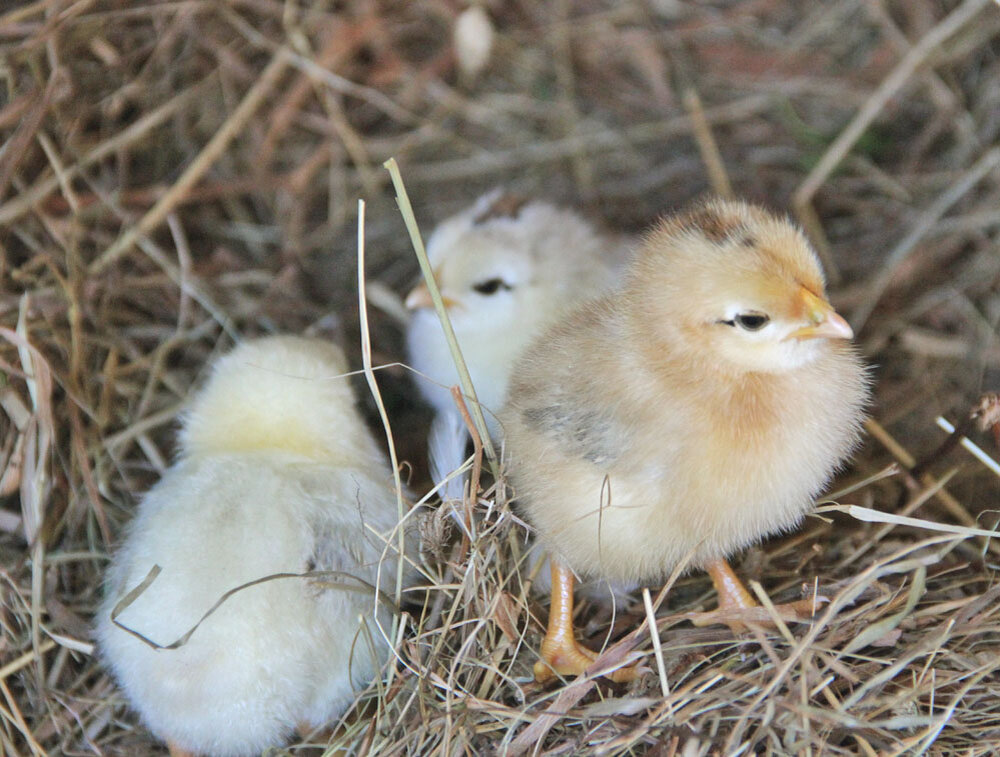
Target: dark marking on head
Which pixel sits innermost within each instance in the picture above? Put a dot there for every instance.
(710, 224)
(507, 205)
(718, 227)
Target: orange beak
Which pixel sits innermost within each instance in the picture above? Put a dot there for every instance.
(420, 297)
(825, 322)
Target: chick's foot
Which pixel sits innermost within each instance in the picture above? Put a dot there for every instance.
(567, 657)
(564, 656)
(737, 607)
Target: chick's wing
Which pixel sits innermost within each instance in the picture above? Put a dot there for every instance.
(578, 431)
(569, 396)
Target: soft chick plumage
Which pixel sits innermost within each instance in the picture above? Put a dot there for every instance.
(506, 268)
(277, 473)
(695, 411)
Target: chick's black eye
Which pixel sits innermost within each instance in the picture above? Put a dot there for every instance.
(751, 321)
(491, 286)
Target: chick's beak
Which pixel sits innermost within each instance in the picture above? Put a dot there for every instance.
(824, 321)
(420, 297)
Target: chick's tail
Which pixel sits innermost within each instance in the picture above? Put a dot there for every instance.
(446, 445)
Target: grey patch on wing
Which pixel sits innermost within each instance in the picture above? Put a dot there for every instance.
(583, 433)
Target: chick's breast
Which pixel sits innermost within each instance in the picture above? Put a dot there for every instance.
(624, 471)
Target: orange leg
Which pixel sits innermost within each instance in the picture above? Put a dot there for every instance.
(734, 600)
(561, 653)
(176, 751)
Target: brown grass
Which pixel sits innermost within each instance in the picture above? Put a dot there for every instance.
(177, 174)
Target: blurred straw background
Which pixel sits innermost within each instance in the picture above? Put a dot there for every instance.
(177, 174)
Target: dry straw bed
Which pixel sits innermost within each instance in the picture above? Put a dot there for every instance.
(176, 174)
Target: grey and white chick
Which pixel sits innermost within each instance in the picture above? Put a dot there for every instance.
(507, 268)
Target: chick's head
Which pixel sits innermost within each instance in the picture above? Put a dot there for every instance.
(278, 394)
(506, 260)
(738, 287)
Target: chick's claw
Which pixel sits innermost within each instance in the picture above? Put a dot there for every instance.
(562, 656)
(566, 657)
(737, 619)
(737, 607)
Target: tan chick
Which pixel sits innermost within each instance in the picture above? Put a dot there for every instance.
(695, 411)
(277, 473)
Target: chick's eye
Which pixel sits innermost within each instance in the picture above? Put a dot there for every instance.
(751, 321)
(491, 286)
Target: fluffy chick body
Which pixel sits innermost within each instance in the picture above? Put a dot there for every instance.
(277, 473)
(644, 427)
(507, 268)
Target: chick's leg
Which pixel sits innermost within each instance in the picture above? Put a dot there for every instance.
(176, 751)
(733, 595)
(561, 653)
(734, 599)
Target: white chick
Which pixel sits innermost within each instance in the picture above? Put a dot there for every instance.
(507, 268)
(277, 474)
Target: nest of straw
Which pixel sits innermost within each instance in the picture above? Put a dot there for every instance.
(176, 175)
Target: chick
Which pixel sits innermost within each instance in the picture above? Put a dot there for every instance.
(506, 268)
(277, 473)
(695, 411)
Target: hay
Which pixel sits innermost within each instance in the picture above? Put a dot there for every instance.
(175, 174)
